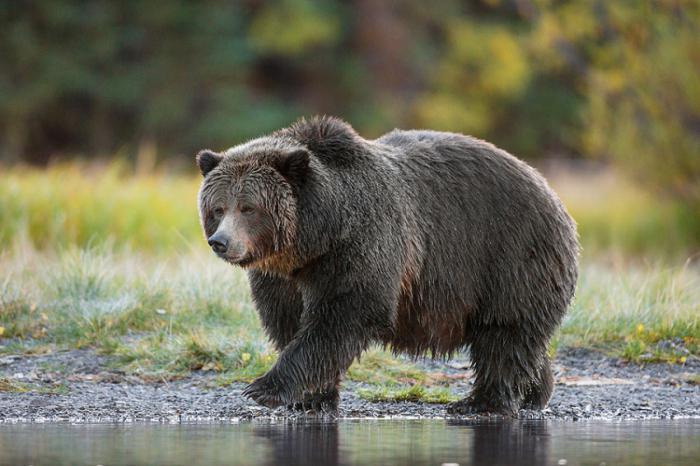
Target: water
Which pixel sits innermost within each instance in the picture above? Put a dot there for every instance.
(355, 442)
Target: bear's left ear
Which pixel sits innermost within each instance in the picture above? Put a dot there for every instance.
(294, 165)
(208, 160)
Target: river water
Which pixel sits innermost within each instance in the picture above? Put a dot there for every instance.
(406, 442)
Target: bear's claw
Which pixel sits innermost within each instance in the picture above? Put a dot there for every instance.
(264, 392)
(321, 403)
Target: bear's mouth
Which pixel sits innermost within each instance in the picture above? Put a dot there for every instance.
(243, 261)
(240, 261)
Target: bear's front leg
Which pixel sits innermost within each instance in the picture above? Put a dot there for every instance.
(268, 391)
(333, 333)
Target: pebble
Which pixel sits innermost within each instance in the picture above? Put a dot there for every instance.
(95, 394)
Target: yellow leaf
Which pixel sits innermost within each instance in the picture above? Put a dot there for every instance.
(682, 359)
(2, 331)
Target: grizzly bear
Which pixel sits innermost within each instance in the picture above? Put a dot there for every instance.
(427, 242)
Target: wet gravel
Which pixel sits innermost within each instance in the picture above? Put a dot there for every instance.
(77, 386)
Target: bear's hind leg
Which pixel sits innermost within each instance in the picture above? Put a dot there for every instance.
(506, 361)
(540, 391)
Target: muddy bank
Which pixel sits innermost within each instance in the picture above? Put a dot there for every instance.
(77, 386)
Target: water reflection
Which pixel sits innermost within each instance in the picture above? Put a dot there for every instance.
(501, 443)
(299, 444)
(510, 443)
(355, 442)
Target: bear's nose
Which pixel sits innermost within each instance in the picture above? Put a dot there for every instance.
(219, 243)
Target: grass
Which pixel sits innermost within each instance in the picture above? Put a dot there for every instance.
(617, 218)
(641, 312)
(438, 395)
(98, 257)
(154, 315)
(165, 317)
(380, 368)
(80, 205)
(14, 386)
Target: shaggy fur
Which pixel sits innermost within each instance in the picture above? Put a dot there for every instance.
(425, 241)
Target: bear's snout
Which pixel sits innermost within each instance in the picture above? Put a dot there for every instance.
(219, 242)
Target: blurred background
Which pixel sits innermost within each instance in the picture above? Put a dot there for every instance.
(103, 104)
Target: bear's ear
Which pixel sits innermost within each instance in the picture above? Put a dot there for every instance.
(294, 165)
(208, 160)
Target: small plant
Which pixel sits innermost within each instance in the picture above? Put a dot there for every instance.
(634, 350)
(380, 367)
(415, 393)
(13, 386)
(8, 385)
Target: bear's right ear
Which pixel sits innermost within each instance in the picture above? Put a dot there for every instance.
(294, 165)
(208, 160)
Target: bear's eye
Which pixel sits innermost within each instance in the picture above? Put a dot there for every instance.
(219, 212)
(246, 209)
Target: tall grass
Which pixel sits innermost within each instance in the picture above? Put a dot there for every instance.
(82, 205)
(643, 311)
(617, 217)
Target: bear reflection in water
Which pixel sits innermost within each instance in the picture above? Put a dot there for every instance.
(398, 443)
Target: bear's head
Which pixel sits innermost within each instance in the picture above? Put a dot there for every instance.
(248, 202)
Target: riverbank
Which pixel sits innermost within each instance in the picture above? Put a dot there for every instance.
(78, 386)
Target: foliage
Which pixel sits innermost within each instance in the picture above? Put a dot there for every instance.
(617, 80)
(116, 75)
(644, 108)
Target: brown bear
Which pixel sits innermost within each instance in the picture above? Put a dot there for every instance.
(427, 242)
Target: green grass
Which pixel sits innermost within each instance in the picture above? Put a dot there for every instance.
(80, 205)
(437, 395)
(84, 206)
(381, 368)
(641, 312)
(154, 315)
(165, 317)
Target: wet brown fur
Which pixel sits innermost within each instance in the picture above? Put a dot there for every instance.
(427, 242)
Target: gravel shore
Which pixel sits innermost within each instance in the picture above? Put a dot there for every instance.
(590, 385)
